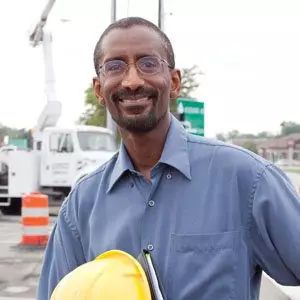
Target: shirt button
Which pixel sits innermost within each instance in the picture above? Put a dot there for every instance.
(151, 203)
(169, 176)
(150, 247)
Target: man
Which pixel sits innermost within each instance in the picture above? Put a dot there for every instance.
(213, 216)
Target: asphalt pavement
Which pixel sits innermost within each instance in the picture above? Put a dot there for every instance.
(19, 265)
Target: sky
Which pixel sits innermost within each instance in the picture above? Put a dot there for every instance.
(249, 52)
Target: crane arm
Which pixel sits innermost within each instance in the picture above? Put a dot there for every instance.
(37, 35)
(52, 110)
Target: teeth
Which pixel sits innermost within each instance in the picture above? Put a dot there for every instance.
(134, 100)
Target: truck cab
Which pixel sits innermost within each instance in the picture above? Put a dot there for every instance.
(59, 159)
(67, 154)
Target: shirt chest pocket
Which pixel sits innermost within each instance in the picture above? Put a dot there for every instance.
(203, 266)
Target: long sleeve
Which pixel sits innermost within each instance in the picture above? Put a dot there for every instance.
(275, 233)
(63, 254)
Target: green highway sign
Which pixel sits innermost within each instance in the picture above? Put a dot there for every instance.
(20, 143)
(191, 115)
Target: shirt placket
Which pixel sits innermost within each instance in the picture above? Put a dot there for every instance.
(149, 229)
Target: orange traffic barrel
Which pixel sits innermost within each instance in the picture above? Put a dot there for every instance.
(35, 219)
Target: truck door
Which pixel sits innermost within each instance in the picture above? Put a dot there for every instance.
(58, 163)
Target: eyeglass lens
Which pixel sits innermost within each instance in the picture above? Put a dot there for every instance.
(146, 65)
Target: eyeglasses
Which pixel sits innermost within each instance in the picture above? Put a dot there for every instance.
(147, 65)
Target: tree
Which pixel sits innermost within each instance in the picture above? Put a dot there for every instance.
(15, 133)
(221, 137)
(289, 128)
(189, 84)
(250, 145)
(233, 134)
(189, 81)
(265, 134)
(95, 114)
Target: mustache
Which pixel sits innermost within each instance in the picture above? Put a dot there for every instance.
(139, 93)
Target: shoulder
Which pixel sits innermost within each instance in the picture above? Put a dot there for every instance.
(97, 177)
(84, 194)
(225, 157)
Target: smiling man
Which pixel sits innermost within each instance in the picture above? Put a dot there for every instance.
(211, 215)
(136, 80)
(141, 104)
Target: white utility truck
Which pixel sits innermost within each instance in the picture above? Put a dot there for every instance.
(60, 156)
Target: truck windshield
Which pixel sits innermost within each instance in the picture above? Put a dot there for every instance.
(96, 141)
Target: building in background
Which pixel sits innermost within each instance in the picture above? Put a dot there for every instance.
(282, 150)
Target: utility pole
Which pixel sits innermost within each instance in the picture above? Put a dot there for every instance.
(161, 15)
(113, 11)
(110, 124)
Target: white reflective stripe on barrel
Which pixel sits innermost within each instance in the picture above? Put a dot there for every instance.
(35, 212)
(35, 230)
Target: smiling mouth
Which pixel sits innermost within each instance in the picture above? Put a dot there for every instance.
(136, 101)
(135, 106)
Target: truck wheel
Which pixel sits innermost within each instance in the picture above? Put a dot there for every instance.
(13, 210)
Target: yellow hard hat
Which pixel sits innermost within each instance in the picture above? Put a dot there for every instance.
(113, 275)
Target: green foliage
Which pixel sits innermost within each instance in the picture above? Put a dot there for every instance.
(250, 145)
(189, 81)
(15, 133)
(265, 134)
(232, 134)
(94, 114)
(221, 137)
(289, 128)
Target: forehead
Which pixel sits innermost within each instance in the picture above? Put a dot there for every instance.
(132, 43)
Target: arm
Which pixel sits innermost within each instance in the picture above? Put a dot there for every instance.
(275, 228)
(63, 253)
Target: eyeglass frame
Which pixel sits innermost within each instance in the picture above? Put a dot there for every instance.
(134, 63)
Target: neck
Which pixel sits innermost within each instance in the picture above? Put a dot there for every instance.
(145, 149)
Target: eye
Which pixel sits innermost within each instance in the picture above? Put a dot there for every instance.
(114, 66)
(147, 64)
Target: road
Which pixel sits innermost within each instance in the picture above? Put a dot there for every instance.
(295, 177)
(19, 266)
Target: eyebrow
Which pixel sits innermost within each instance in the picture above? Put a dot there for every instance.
(139, 56)
(113, 58)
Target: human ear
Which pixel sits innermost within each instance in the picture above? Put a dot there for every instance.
(98, 91)
(176, 84)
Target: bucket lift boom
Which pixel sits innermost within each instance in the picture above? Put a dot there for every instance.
(52, 110)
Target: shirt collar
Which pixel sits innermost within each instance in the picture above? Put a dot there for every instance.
(123, 164)
(175, 154)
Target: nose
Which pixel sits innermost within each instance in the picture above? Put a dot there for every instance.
(131, 79)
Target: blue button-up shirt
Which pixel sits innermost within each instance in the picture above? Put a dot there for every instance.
(213, 216)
